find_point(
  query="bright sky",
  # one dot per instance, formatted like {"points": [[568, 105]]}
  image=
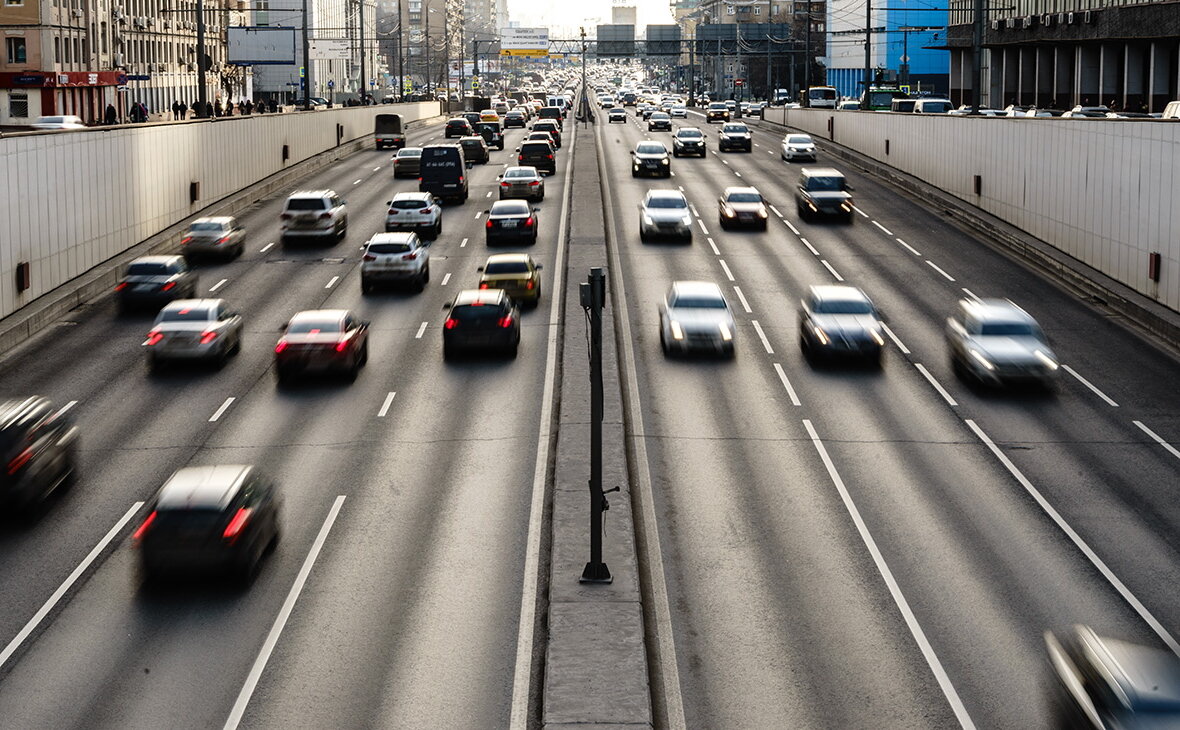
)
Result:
{"points": [[573, 13]]}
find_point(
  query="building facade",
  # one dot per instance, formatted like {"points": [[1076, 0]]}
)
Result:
{"points": [[908, 44]]}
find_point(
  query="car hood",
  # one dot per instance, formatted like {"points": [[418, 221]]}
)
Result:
{"points": [[748, 207], [1015, 350], [699, 318], [799, 145], [830, 196], [847, 325], [666, 214], [651, 156]]}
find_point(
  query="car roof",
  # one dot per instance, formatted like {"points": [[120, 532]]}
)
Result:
{"points": [[665, 194], [179, 304], [745, 189], [319, 314], [221, 219], [696, 289], [473, 139], [508, 258], [688, 129], [509, 206], [311, 194], [996, 310], [156, 260], [481, 296], [527, 168], [837, 292], [1148, 678], [404, 150], [16, 411], [821, 172], [392, 237], [202, 487], [413, 195]]}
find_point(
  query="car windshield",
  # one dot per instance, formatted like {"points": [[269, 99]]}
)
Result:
{"points": [[313, 326], [799, 139], [697, 301], [506, 267], [187, 314], [148, 269], [826, 183], [207, 227], [689, 134], [744, 198], [718, 106], [654, 148], [659, 115], [1007, 329], [409, 204], [519, 175], [666, 202], [510, 208], [410, 152], [389, 248], [846, 306], [734, 128], [306, 204], [471, 312]]}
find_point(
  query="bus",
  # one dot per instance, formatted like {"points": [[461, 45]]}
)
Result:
{"points": [[881, 97], [821, 97]]}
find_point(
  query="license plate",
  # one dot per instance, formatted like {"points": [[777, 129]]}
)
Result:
{"points": [[508, 224]]}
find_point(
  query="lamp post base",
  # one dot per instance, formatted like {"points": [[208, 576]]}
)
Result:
{"points": [[596, 573]]}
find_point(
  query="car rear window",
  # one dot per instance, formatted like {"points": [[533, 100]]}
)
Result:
{"points": [[409, 152], [1007, 329], [313, 326], [197, 519], [536, 148], [474, 312], [306, 204], [510, 207], [389, 248], [519, 174], [405, 204], [825, 183], [506, 267], [837, 306], [148, 269], [188, 314], [207, 227]]}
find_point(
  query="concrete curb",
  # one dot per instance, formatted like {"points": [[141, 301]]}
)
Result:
{"points": [[100, 281], [1148, 317]]}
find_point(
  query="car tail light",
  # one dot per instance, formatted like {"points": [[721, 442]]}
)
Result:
{"points": [[147, 523], [520, 158], [410, 256], [19, 460], [237, 524], [529, 284], [154, 338], [529, 221], [489, 223], [368, 257], [451, 323], [534, 183], [506, 321], [424, 210], [169, 286], [281, 346], [342, 345], [223, 239], [508, 184], [393, 211], [460, 178], [551, 157], [325, 216], [121, 286], [207, 337], [419, 179], [185, 240]]}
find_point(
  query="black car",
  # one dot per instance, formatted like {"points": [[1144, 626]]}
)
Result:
{"points": [[551, 112], [472, 118], [482, 319], [552, 127], [514, 118], [688, 141], [442, 172], [458, 127], [650, 158], [511, 220], [492, 133], [210, 518], [659, 121], [735, 136], [539, 155], [153, 281], [475, 149], [38, 443]]}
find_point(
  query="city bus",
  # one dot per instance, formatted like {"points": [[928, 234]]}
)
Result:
{"points": [[881, 96], [821, 97]]}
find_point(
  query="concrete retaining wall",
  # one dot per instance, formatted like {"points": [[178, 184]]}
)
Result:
{"points": [[1105, 192], [74, 200]]}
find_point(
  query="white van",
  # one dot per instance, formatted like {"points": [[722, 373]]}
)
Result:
{"points": [[1172, 110], [902, 105], [930, 105]]}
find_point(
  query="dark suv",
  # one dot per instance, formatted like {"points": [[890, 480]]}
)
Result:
{"points": [[38, 444], [482, 319], [492, 133], [538, 155], [552, 127], [823, 191], [458, 127]]}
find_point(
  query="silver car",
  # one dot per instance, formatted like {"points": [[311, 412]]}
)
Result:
{"points": [[695, 316], [394, 257], [798, 147], [219, 236], [414, 211], [840, 321], [194, 329], [522, 182], [665, 213], [995, 342]]}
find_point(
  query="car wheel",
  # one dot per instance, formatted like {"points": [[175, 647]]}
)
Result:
{"points": [[366, 287], [448, 352], [284, 377], [419, 283], [364, 358], [437, 230], [675, 153], [541, 196], [154, 364]]}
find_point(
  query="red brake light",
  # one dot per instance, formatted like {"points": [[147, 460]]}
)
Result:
{"points": [[508, 184], [342, 345], [369, 257], [139, 533], [410, 256], [529, 221], [489, 223], [534, 183], [483, 285], [325, 216], [185, 240], [551, 157], [393, 211], [424, 210], [20, 460], [168, 286], [419, 179], [286, 216], [154, 338], [223, 239], [207, 337], [121, 286], [506, 321], [281, 346], [451, 323], [529, 284], [520, 158], [460, 178], [234, 528]]}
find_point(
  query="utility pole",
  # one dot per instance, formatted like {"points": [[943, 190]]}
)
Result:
{"points": [[864, 99], [364, 87], [306, 60], [977, 58], [202, 92], [807, 60], [426, 8], [593, 297], [401, 52], [692, 68]]}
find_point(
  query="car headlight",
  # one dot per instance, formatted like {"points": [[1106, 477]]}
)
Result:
{"points": [[987, 364], [727, 212], [677, 330], [846, 206], [876, 335], [762, 212], [646, 219], [664, 161], [686, 220], [823, 336], [726, 335], [1045, 358]]}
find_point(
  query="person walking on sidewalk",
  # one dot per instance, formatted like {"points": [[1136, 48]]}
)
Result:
{"points": [[175, 110]]}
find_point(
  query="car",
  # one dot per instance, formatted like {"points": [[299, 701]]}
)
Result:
{"points": [[515, 118], [515, 273], [848, 106], [322, 340], [695, 316], [678, 111], [665, 213], [400, 257], [459, 127], [407, 162], [314, 214], [194, 329], [219, 236], [650, 158], [156, 280], [215, 519], [616, 114], [840, 321], [38, 443], [798, 147], [481, 319], [742, 207], [475, 149], [646, 110], [511, 220], [555, 113], [1105, 683], [659, 121], [823, 191], [688, 141], [735, 136], [538, 154], [492, 133], [730, 105], [994, 342], [443, 172], [522, 182], [472, 118], [59, 123], [546, 137], [414, 211], [552, 127], [717, 112]]}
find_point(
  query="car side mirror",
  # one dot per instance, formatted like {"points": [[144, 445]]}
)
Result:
{"points": [[282, 328], [389, 202], [479, 268], [447, 305], [538, 267]]}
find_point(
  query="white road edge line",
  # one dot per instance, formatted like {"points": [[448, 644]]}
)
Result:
{"points": [[782, 375], [221, 411], [829, 268], [388, 402], [912, 250], [905, 350], [701, 223], [745, 305], [446, 278], [65, 586], [728, 273], [937, 386], [883, 228], [935, 267], [1089, 385], [944, 681], [1077, 540], [1171, 449], [762, 336], [332, 282], [356, 182], [775, 211], [420, 331], [268, 646], [267, 247]]}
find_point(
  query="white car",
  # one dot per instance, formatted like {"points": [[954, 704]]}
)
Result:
{"points": [[413, 211], [995, 342], [66, 122], [679, 112], [695, 316], [798, 147], [194, 329], [394, 257], [665, 213], [314, 214]]}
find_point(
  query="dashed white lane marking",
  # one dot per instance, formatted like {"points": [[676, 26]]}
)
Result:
{"points": [[728, 273], [385, 406], [681, 188], [332, 282], [267, 247], [737, 173], [489, 194], [463, 243], [1171, 449], [809, 246], [944, 681], [693, 208], [829, 268], [356, 182], [935, 267], [775, 211], [672, 173], [701, 223], [762, 336], [787, 384], [971, 294], [862, 213], [883, 228], [713, 246], [420, 331], [218, 285], [1077, 540], [937, 386], [913, 250], [791, 226], [742, 297], [1089, 385], [378, 167], [221, 411], [64, 408], [726, 161], [477, 215], [900, 345], [446, 278]]}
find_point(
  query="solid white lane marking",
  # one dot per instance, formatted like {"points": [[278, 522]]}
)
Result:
{"points": [[218, 285], [913, 250], [742, 298], [463, 243], [701, 223], [883, 228], [895, 339], [332, 282], [1089, 385], [385, 406], [862, 213], [762, 336], [775, 211], [829, 268], [937, 386], [420, 331], [1171, 449], [713, 246], [935, 267], [791, 226], [221, 411], [267, 247], [68, 583], [356, 182], [971, 294], [809, 246], [728, 273], [268, 646], [782, 375], [446, 278], [944, 680], [1077, 540]]}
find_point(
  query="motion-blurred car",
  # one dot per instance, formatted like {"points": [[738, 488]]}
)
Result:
{"points": [[460, 127], [742, 207], [522, 182], [617, 114], [511, 220], [194, 329], [840, 321], [414, 211], [322, 340], [209, 518], [219, 236], [538, 154], [394, 257], [515, 273], [515, 118], [665, 213], [475, 150], [995, 342], [156, 280], [717, 112], [482, 319], [407, 162], [650, 158], [798, 147], [59, 123], [492, 134], [314, 214], [823, 191], [659, 121], [688, 141], [735, 136], [695, 316], [38, 444]]}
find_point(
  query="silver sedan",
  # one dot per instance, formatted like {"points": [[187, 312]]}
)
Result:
{"points": [[194, 329], [840, 321], [995, 342], [695, 316], [522, 182]]}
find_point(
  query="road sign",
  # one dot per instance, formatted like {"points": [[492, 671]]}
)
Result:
{"points": [[739, 82], [524, 41], [139, 77], [302, 72], [331, 84], [331, 48]]}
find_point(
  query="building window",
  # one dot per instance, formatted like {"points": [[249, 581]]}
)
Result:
{"points": [[18, 105], [57, 49], [16, 50], [14, 3]]}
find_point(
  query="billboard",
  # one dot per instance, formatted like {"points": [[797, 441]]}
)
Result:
{"points": [[331, 48], [524, 41], [260, 46], [616, 40]]}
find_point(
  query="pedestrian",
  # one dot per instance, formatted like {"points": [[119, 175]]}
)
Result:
{"points": [[209, 110], [229, 108], [261, 106], [183, 110], [175, 110], [249, 107], [242, 107], [112, 116]]}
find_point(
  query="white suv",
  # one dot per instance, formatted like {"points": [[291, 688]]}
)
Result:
{"points": [[394, 257], [314, 214], [414, 212]]}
